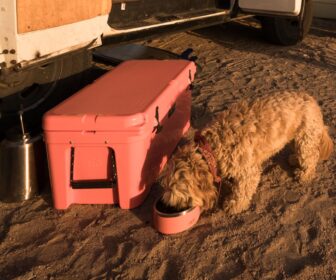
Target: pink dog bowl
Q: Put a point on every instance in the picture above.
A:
(167, 221)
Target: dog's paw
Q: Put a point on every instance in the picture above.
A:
(304, 177)
(233, 207)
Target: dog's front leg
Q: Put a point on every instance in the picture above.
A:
(245, 185)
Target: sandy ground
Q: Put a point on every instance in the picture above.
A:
(289, 231)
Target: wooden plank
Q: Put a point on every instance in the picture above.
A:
(42, 14)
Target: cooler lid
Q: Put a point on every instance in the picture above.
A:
(120, 98)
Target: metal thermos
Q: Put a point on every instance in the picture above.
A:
(22, 165)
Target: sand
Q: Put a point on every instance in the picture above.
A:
(289, 231)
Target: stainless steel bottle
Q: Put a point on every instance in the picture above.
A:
(22, 165)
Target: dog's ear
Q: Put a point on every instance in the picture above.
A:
(205, 194)
(166, 172)
(170, 167)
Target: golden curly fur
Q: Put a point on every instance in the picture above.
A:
(242, 138)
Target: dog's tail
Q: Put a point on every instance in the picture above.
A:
(326, 145)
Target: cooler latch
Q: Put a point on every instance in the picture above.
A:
(157, 129)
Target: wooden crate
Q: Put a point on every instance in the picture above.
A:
(35, 15)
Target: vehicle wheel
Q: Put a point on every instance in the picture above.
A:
(286, 31)
(66, 75)
(34, 95)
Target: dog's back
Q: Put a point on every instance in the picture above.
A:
(268, 123)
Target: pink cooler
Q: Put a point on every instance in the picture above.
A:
(108, 142)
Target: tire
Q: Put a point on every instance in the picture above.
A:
(286, 31)
(68, 74)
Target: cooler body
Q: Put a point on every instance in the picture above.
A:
(108, 142)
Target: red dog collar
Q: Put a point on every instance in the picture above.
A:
(208, 155)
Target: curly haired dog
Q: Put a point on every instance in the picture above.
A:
(241, 139)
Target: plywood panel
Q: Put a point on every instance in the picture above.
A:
(41, 14)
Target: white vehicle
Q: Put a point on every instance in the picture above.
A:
(44, 41)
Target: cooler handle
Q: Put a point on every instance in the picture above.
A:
(91, 183)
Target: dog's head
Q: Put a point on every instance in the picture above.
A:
(187, 180)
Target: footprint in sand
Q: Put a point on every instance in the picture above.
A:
(308, 234)
(292, 197)
(168, 270)
(284, 257)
